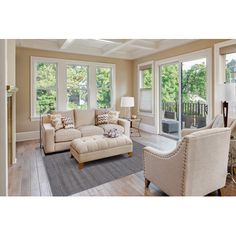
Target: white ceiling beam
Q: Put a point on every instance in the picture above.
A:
(66, 44)
(118, 47)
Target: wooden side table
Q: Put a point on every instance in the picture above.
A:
(135, 127)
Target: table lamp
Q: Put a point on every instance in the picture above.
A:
(127, 102)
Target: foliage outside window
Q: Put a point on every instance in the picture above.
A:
(77, 87)
(230, 68)
(193, 82)
(145, 90)
(103, 81)
(45, 87)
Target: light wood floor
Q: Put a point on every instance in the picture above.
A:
(28, 176)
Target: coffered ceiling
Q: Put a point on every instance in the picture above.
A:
(116, 48)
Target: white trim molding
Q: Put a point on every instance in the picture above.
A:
(26, 136)
(3, 117)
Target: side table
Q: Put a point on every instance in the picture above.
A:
(135, 126)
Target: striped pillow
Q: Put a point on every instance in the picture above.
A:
(67, 123)
(102, 119)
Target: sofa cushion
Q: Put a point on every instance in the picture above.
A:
(89, 130)
(69, 114)
(65, 135)
(84, 117)
(107, 127)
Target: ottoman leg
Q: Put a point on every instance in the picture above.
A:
(71, 156)
(81, 165)
(130, 154)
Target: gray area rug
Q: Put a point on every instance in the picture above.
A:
(66, 179)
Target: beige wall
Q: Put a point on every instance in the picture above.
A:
(184, 49)
(124, 84)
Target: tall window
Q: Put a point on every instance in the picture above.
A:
(230, 68)
(59, 84)
(77, 87)
(145, 88)
(45, 86)
(103, 81)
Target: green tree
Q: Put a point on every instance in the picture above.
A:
(147, 78)
(77, 82)
(46, 87)
(103, 78)
(229, 70)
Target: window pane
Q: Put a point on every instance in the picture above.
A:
(45, 87)
(103, 78)
(145, 90)
(230, 68)
(77, 82)
(147, 78)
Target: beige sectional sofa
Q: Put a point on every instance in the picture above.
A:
(85, 125)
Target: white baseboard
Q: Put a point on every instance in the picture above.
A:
(25, 136)
(148, 128)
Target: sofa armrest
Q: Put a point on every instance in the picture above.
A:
(126, 124)
(48, 137)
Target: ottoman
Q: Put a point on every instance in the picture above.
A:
(96, 147)
(170, 126)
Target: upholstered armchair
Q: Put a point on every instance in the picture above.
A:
(217, 122)
(196, 167)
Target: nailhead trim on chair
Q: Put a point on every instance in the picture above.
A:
(183, 142)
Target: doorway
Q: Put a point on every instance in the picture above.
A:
(185, 94)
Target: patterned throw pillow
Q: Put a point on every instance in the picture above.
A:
(67, 123)
(102, 119)
(99, 112)
(56, 121)
(113, 117)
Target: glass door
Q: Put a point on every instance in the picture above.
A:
(183, 96)
(194, 93)
(170, 99)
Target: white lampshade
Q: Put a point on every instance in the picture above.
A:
(127, 102)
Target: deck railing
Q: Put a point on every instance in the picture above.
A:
(192, 113)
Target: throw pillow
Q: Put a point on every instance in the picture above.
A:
(113, 117)
(56, 121)
(67, 123)
(99, 112)
(102, 119)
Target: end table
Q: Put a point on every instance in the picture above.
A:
(135, 126)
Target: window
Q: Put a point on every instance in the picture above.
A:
(77, 87)
(103, 82)
(230, 68)
(145, 88)
(45, 87)
(59, 84)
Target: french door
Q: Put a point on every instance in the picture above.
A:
(184, 95)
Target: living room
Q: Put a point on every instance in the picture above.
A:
(93, 115)
(40, 88)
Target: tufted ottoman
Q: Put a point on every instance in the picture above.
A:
(98, 146)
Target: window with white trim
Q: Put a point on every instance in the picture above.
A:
(45, 89)
(104, 83)
(77, 86)
(58, 84)
(145, 88)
